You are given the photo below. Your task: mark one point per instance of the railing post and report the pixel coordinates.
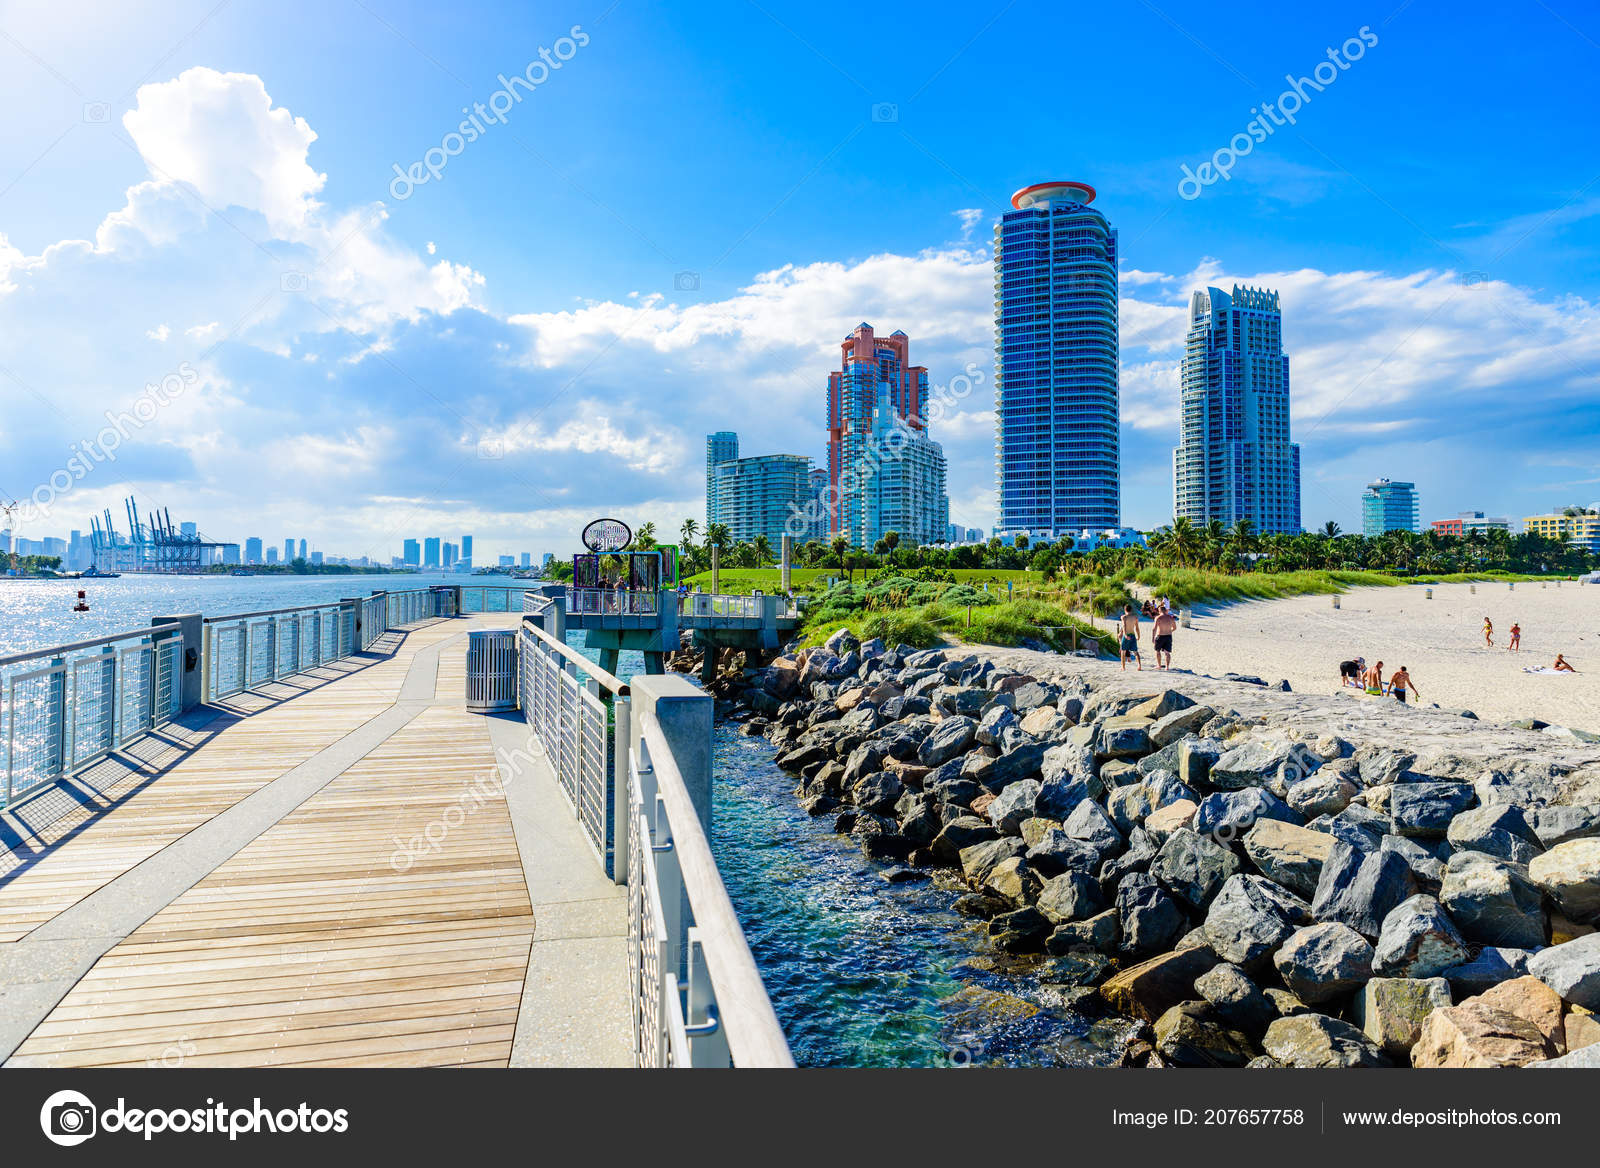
(191, 672)
(700, 1011)
(683, 712)
(620, 738)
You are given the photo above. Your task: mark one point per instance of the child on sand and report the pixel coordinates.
(1516, 637)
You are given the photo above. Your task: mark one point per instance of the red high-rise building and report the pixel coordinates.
(869, 365)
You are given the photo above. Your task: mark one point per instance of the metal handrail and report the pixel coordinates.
(725, 1015)
(92, 643)
(613, 683)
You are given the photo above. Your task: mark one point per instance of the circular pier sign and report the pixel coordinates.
(607, 535)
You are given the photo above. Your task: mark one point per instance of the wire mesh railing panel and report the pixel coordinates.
(91, 708)
(35, 728)
(136, 692)
(168, 691)
(593, 778)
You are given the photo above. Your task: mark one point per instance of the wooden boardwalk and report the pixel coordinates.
(327, 873)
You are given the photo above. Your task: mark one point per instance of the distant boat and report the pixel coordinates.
(97, 574)
(241, 572)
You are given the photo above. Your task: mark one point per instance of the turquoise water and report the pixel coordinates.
(36, 614)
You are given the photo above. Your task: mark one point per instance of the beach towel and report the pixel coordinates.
(1546, 669)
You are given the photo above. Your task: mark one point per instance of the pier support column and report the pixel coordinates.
(654, 662)
(708, 664)
(608, 660)
(191, 669)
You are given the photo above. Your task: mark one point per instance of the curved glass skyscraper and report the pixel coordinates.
(1057, 440)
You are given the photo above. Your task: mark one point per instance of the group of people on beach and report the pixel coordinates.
(1355, 674)
(1164, 622)
(1561, 664)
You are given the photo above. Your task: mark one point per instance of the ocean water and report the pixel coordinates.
(36, 614)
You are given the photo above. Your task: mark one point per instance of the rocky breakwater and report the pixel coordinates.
(1257, 887)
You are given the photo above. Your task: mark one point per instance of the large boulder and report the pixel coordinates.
(949, 738)
(1161, 823)
(1292, 856)
(1101, 932)
(1065, 788)
(877, 792)
(1196, 756)
(1230, 814)
(1323, 962)
(992, 726)
(1391, 1010)
(1071, 896)
(1250, 918)
(1193, 866)
(1475, 1034)
(1168, 728)
(1191, 1034)
(1236, 999)
(1264, 763)
(1089, 823)
(1151, 988)
(1426, 809)
(1317, 1041)
(1013, 805)
(1570, 873)
(1012, 879)
(1572, 969)
(979, 860)
(1418, 939)
(1360, 888)
(1531, 1000)
(1327, 792)
(1491, 965)
(1128, 805)
(1124, 737)
(1557, 825)
(1055, 851)
(1492, 901)
(1498, 830)
(1016, 762)
(1151, 920)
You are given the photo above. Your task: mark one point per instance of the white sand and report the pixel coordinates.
(1440, 641)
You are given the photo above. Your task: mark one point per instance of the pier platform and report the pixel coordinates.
(320, 871)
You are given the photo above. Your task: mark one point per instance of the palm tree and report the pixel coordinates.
(688, 531)
(1241, 539)
(841, 547)
(644, 539)
(763, 549)
(1331, 529)
(718, 536)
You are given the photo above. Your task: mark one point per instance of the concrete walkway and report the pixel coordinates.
(323, 872)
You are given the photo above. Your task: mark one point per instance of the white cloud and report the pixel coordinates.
(160, 333)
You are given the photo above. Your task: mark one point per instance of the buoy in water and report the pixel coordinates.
(83, 604)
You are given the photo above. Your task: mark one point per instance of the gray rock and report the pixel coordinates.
(1033, 695)
(1127, 736)
(1013, 805)
(1315, 1040)
(1327, 792)
(1151, 921)
(1426, 809)
(1195, 759)
(1168, 728)
(1193, 866)
(1263, 763)
(1323, 962)
(1379, 765)
(1165, 788)
(1069, 777)
(980, 860)
(1230, 814)
(1493, 902)
(1057, 852)
(1022, 930)
(1289, 855)
(1235, 998)
(1587, 1058)
(877, 792)
(1101, 932)
(1497, 830)
(994, 721)
(1360, 888)
(1425, 865)
(1141, 850)
(1390, 1011)
(1570, 874)
(1190, 1034)
(1418, 940)
(1128, 806)
(1089, 822)
(1016, 762)
(1071, 896)
(1557, 825)
(949, 738)
(1250, 918)
(1493, 965)
(1572, 969)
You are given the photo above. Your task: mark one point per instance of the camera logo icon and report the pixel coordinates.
(490, 448)
(96, 112)
(294, 282)
(68, 1118)
(686, 282)
(885, 111)
(1474, 279)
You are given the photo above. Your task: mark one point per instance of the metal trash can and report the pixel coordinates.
(491, 671)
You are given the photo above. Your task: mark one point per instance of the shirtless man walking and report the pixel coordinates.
(1128, 642)
(1161, 637)
(1400, 683)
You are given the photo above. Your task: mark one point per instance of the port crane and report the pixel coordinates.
(10, 507)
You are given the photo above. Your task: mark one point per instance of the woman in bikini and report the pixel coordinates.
(1516, 637)
(1561, 665)
(1488, 633)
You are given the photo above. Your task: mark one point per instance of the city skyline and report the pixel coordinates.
(1420, 271)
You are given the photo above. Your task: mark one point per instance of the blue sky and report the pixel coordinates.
(671, 232)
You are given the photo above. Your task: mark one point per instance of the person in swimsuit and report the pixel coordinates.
(1350, 672)
(1375, 679)
(1161, 637)
(1400, 683)
(1561, 665)
(1516, 637)
(1488, 633)
(1129, 641)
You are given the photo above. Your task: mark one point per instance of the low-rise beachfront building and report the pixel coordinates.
(1581, 530)
(1389, 506)
(1467, 522)
(756, 496)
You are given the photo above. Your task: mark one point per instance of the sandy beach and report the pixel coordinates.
(1440, 641)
